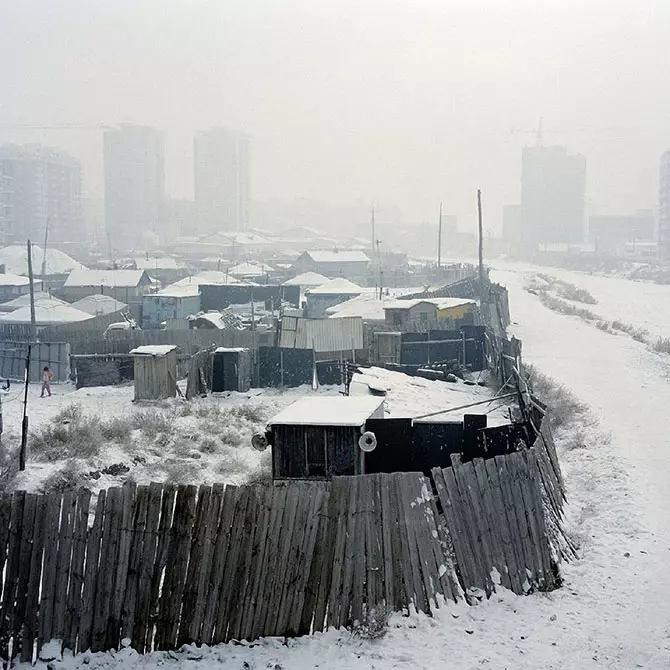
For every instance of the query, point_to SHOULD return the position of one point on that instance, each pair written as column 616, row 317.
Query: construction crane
column 55, row 126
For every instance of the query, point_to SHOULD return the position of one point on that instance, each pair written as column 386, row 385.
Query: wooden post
column 33, row 321
column 439, row 240
column 481, row 244
column 24, row 421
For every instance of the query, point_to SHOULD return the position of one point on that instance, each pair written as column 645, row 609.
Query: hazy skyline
column 410, row 103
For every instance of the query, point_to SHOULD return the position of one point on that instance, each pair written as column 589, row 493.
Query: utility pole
column 44, row 255
column 33, row 322
column 439, row 240
column 24, row 422
column 381, row 275
column 481, row 243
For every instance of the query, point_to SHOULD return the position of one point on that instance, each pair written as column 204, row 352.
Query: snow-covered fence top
column 163, row 565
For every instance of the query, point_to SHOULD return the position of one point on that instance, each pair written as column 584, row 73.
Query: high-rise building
column 134, row 162
column 221, row 180
column 664, row 209
column 39, row 187
column 553, row 186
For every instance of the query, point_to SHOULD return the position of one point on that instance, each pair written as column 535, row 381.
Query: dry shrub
column 79, row 439
column 563, row 405
column 374, row 625
column 117, row 429
column 69, row 478
column 154, row 422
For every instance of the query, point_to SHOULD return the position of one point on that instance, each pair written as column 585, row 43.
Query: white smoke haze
column 407, row 103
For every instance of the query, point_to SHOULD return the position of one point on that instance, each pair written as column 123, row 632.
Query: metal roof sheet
column 322, row 334
column 328, row 411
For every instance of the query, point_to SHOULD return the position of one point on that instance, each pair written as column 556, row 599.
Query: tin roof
column 328, row 411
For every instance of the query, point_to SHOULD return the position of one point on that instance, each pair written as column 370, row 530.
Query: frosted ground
column 614, row 610
column 97, row 437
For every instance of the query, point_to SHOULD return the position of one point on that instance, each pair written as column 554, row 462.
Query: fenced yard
column 163, row 565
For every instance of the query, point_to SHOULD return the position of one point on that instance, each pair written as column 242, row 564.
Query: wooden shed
column 318, row 437
column 155, row 368
column 231, row 369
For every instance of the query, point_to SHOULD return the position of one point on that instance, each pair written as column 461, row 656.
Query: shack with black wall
column 231, row 369
column 318, row 437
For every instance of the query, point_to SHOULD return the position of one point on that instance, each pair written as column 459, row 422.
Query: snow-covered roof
column 163, row 263
column 328, row 411
column 440, row 303
column 367, row 305
column 108, row 278
column 338, row 256
column 307, row 279
column 230, row 350
column 338, row 286
column 249, row 270
column 205, row 277
column 9, row 279
column 99, row 304
column 47, row 313
column 24, row 300
column 15, row 259
column 250, row 239
column 153, row 350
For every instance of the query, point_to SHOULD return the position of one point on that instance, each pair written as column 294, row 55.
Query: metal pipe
column 472, row 404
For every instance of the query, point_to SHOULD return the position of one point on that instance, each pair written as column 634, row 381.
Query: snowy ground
column 614, row 610
column 204, row 441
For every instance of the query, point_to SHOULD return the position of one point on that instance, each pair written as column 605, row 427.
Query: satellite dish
column 259, row 441
column 367, row 441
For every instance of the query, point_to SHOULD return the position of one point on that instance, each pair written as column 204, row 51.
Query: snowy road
column 614, row 610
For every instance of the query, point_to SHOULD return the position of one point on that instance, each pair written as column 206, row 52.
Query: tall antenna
column 439, row 239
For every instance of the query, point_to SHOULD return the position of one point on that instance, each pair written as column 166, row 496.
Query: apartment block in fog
column 39, row 186
column 664, row 209
column 134, row 165
column 553, row 186
column 221, row 180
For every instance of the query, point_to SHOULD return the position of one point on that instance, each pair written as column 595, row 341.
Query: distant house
column 173, row 302
column 333, row 292
column 423, row 313
column 128, row 286
column 47, row 313
column 307, row 280
column 100, row 305
column 13, row 286
column 351, row 264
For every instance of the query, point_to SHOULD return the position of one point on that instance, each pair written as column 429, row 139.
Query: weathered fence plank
column 74, row 596
column 27, row 530
column 12, row 570
column 91, row 574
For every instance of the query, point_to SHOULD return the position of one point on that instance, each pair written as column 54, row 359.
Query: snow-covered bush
column 374, row 625
column 68, row 478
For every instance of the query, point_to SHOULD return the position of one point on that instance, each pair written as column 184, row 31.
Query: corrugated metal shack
column 155, row 370
column 231, row 369
column 317, row 437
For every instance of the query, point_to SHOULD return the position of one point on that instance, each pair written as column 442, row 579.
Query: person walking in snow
column 47, row 376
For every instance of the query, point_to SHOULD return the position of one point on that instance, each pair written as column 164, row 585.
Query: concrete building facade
column 134, row 166
column 553, row 187
column 664, row 209
column 39, row 186
column 222, row 162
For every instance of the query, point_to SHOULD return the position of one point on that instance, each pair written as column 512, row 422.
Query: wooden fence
column 495, row 513
column 164, row 565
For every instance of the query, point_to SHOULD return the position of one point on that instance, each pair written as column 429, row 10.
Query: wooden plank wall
column 164, row 565
column 496, row 516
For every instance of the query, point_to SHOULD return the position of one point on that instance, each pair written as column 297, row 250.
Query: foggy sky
column 408, row 102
